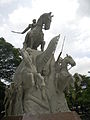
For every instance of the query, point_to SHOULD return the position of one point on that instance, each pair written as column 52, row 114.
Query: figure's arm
column 29, row 26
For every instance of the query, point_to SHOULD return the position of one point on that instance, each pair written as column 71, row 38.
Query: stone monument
column 39, row 81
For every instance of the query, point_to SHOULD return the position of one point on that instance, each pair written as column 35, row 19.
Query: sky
column 71, row 19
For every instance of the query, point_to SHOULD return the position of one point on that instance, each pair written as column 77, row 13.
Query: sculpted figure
column 30, row 68
column 64, row 76
column 78, row 78
column 35, row 98
column 30, row 26
column 10, row 95
column 39, row 81
column 30, row 93
column 35, row 37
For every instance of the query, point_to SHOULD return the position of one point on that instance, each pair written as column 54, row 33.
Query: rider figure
column 30, row 26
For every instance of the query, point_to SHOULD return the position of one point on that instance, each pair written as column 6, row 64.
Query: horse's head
column 45, row 19
column 69, row 60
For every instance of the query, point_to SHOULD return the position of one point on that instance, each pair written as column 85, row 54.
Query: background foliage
column 9, row 60
column 78, row 97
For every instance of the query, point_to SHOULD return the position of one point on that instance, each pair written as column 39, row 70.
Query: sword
column 16, row 32
column 61, row 49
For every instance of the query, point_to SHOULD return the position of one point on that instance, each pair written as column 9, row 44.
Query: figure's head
column 47, row 20
column 34, row 20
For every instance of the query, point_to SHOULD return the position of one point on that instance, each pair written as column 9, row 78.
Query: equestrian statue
column 35, row 36
column 40, row 80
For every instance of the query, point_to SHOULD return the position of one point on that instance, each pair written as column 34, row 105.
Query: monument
column 39, row 81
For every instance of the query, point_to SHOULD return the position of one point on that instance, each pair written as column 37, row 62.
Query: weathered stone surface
column 36, row 92
column 57, row 116
column 12, row 118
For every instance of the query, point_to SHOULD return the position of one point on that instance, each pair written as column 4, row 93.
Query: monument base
column 56, row 116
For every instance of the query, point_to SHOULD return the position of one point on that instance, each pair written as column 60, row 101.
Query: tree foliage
column 79, row 97
column 2, row 95
column 9, row 60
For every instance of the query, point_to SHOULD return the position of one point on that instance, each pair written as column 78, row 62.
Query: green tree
column 2, row 89
column 79, row 96
column 84, row 98
column 9, row 60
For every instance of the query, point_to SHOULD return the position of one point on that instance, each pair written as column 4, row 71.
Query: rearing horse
column 35, row 37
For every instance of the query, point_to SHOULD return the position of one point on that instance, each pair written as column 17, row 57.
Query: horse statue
column 35, row 37
column 63, row 77
column 57, row 78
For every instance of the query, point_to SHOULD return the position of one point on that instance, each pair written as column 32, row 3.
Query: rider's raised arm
column 29, row 26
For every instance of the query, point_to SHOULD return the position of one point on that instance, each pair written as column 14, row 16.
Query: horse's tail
column 43, row 58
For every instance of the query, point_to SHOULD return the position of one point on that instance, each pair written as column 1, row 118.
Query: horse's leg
column 42, row 45
column 25, row 44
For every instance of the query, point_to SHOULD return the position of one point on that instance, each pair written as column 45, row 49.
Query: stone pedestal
column 57, row 116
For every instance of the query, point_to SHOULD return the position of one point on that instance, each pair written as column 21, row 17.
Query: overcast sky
column 71, row 19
